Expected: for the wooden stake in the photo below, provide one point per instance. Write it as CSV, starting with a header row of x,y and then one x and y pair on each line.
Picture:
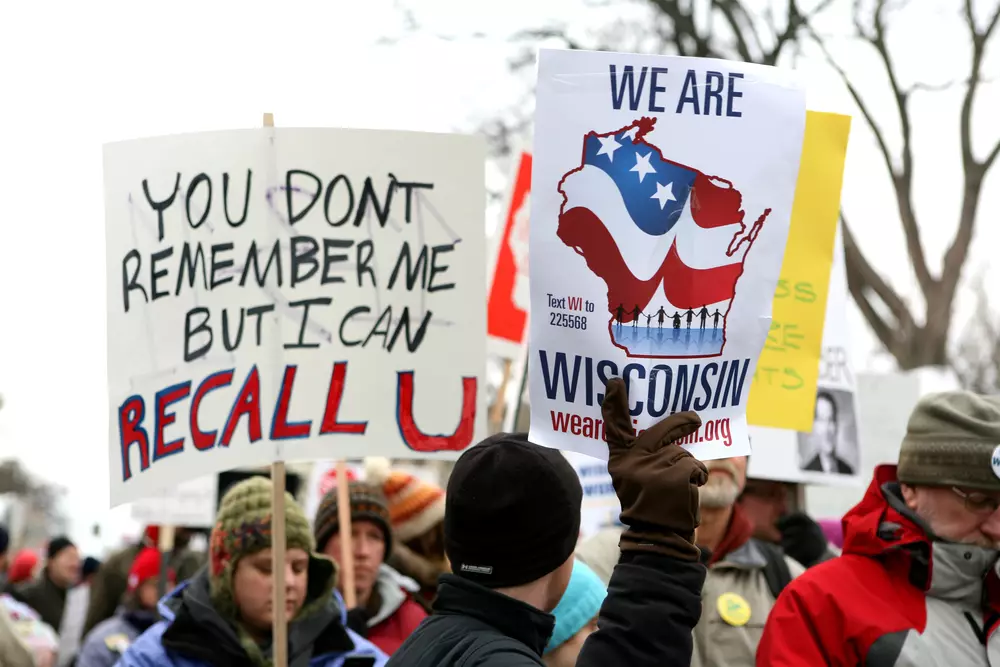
x,y
166,546
346,541
500,403
279,545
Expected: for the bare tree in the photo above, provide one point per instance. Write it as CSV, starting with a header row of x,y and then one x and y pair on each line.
x,y
976,360
40,497
916,339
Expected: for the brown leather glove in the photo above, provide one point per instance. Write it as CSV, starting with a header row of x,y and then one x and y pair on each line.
x,y
656,481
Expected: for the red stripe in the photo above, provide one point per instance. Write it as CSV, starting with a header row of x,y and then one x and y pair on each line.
x,y
714,205
686,287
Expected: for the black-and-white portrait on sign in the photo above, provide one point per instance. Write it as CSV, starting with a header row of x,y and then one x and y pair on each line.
x,y
832,446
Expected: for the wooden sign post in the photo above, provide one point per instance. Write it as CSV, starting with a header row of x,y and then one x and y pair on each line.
x,y
279,620
346,541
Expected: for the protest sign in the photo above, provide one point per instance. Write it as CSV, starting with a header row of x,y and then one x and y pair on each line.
x,y
190,503
659,214
829,452
784,386
600,507
509,299
283,294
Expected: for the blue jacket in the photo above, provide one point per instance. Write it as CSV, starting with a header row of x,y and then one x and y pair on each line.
x,y
192,634
110,638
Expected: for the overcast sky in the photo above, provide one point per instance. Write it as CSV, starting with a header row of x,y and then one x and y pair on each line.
x,y
77,75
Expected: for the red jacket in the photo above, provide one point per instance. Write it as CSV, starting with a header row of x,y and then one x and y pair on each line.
x,y
390,633
882,604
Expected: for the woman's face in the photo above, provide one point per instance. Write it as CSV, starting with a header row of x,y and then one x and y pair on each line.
x,y
252,587
567,653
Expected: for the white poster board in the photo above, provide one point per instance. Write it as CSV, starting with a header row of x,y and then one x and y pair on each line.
x,y
600,507
661,196
831,453
190,504
290,294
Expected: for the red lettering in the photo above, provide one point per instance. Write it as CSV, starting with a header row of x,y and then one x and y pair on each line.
x,y
131,432
419,441
281,428
204,440
333,396
247,403
164,399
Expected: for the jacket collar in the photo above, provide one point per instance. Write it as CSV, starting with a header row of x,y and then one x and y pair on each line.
x,y
881,526
512,618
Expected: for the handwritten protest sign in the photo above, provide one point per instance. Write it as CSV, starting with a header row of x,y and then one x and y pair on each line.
x,y
784,386
191,503
661,194
291,294
829,452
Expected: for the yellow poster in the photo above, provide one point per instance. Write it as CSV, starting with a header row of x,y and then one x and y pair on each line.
x,y
783,393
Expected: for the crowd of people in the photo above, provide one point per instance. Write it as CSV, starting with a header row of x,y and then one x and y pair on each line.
x,y
706,567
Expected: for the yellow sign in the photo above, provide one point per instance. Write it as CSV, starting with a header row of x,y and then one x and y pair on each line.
x,y
733,609
783,393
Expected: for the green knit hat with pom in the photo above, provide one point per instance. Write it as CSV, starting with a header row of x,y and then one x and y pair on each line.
x,y
243,527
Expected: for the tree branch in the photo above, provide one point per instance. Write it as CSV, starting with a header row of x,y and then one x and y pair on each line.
x,y
903,178
861,277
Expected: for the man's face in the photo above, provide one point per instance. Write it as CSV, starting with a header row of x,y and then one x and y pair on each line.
x,y
970,520
64,569
765,502
825,426
726,479
368,545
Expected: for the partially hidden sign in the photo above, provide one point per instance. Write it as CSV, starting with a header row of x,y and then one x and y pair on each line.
x,y
509,298
283,294
783,392
661,194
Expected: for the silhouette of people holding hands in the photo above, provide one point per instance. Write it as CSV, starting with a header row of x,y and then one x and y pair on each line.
x,y
715,318
635,316
703,314
660,315
689,315
677,320
619,314
648,319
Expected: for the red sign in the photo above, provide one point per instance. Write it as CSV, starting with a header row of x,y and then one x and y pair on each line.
x,y
507,309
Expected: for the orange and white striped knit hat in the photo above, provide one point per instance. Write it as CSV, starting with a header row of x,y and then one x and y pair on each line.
x,y
415,506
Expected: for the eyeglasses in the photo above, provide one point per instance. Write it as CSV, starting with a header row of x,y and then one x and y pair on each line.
x,y
980,503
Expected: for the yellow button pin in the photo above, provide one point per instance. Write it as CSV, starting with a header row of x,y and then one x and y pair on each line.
x,y
733,609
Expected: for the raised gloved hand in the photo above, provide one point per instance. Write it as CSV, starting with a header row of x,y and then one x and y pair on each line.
x,y
802,538
656,481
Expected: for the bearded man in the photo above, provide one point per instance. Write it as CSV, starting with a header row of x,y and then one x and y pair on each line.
x,y
745,575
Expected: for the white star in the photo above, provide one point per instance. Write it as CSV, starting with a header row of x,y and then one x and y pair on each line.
x,y
631,132
664,193
642,166
608,147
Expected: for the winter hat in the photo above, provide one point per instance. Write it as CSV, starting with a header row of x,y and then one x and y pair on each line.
x,y
242,528
367,504
953,439
579,604
90,566
146,566
57,544
151,536
22,567
415,506
513,511
4,540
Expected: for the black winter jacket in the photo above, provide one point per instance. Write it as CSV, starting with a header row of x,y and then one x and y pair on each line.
x,y
653,604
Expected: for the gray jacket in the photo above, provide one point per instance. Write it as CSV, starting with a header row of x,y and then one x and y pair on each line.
x,y
108,640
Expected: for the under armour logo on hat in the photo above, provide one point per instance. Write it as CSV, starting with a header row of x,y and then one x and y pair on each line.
x,y
477,569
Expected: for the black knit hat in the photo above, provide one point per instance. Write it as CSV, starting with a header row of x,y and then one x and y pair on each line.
x,y
368,503
512,512
57,544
